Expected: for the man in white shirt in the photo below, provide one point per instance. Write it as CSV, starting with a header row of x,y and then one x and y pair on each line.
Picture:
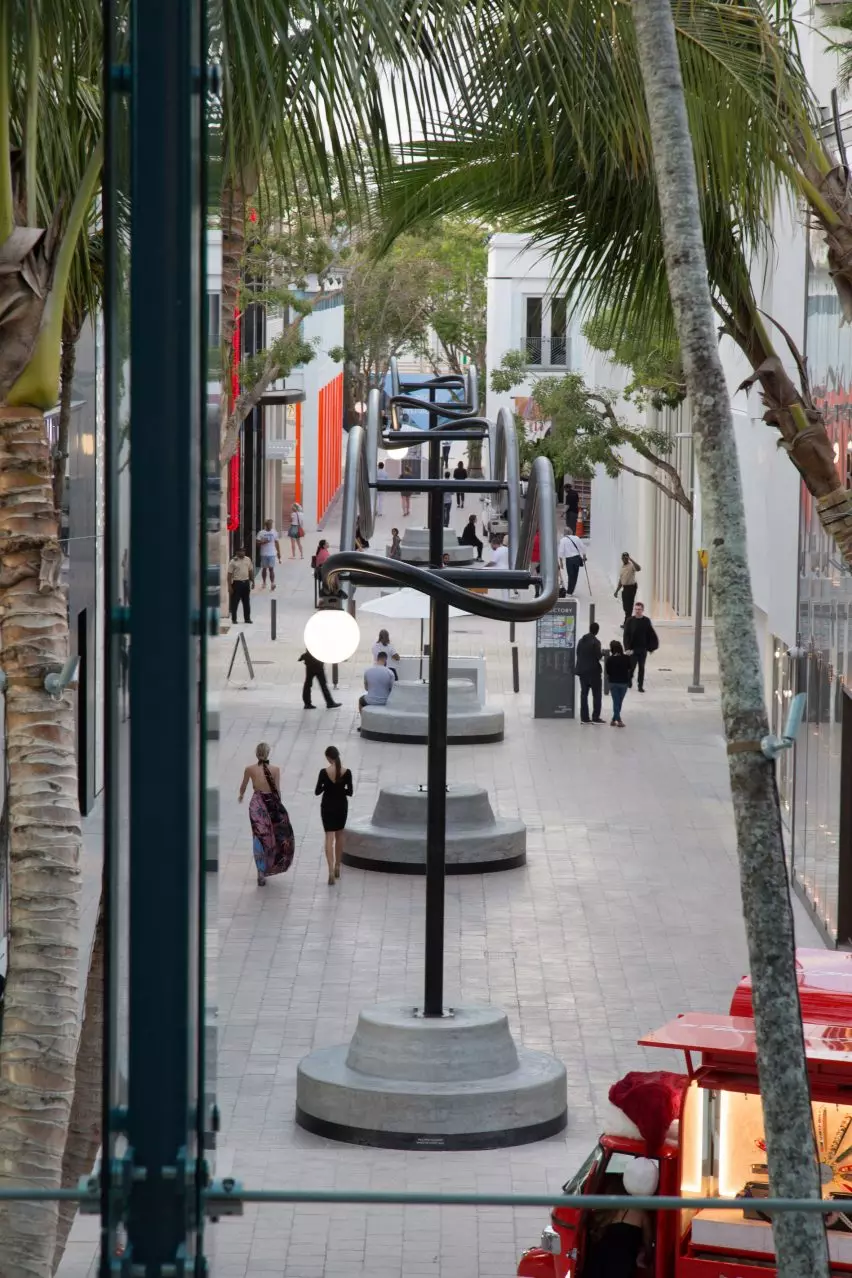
x,y
378,683
570,551
499,559
267,539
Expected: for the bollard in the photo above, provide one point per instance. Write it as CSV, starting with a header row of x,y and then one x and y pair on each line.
x,y
511,632
273,618
334,675
696,685
516,678
591,614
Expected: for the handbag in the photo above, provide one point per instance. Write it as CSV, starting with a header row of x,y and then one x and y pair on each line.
x,y
653,641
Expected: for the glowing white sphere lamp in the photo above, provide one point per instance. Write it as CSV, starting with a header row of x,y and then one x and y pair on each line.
x,y
332,635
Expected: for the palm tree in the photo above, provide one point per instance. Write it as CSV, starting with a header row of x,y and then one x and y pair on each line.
x,y
784,1086
550,133
49,134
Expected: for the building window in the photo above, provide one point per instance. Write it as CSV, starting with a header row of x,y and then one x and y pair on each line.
x,y
545,340
558,331
534,317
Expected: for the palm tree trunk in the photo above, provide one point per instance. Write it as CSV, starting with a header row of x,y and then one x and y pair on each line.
x,y
799,1236
39,1044
67,364
233,250
84,1128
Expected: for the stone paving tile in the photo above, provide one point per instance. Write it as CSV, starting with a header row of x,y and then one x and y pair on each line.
x,y
626,914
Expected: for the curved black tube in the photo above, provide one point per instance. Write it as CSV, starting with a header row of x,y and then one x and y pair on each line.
x,y
541,500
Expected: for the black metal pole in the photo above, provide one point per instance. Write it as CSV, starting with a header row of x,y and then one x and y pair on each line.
x,y
436,769
696,685
273,619
436,807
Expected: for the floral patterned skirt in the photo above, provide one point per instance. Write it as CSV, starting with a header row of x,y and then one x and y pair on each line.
x,y
273,843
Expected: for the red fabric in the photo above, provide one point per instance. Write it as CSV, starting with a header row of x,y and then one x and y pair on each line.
x,y
652,1100
536,550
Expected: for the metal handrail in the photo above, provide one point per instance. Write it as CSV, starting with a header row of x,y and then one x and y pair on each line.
x,y
504,463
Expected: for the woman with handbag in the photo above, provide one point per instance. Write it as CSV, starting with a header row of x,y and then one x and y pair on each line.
x,y
296,531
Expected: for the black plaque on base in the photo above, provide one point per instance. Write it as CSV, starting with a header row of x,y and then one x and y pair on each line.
x,y
555,641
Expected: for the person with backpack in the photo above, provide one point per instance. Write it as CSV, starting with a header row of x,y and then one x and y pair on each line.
x,y
640,638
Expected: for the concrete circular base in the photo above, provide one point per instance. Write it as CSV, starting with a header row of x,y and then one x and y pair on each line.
x,y
405,717
414,547
454,1082
394,839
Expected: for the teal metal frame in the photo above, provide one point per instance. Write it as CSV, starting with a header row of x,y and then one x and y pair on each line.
x,y
150,1196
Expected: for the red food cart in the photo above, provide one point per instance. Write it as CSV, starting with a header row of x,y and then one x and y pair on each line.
x,y
715,1147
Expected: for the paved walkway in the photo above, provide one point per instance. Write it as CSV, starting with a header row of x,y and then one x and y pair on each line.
x,y
626,914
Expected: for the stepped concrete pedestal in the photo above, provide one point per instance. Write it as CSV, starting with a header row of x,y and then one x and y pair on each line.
x,y
414,547
451,1082
405,717
394,838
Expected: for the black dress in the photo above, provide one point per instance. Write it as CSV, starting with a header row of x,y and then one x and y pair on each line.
x,y
334,807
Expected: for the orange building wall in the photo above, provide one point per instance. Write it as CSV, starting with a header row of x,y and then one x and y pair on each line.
x,y
329,444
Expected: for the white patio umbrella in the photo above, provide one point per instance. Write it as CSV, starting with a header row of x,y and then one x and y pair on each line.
x,y
407,605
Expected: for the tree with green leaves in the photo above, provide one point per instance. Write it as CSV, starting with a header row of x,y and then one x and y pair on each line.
x,y
551,120
387,309
582,431
650,353
286,267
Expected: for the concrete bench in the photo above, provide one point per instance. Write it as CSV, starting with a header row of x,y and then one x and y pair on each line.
x,y
405,717
394,838
414,547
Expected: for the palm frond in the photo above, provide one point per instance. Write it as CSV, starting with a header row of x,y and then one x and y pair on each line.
x,y
547,132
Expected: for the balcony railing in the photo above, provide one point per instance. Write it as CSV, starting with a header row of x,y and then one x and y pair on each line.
x,y
546,352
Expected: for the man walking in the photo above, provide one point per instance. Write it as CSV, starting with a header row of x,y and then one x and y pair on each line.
x,y
267,539
448,503
572,508
240,583
570,551
588,671
640,638
627,584
460,473
445,453
315,669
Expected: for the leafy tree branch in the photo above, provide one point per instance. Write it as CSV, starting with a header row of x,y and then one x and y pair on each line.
x,y
581,430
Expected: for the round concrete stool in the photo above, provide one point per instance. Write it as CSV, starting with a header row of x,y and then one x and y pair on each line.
x,y
394,839
414,547
405,717
451,1082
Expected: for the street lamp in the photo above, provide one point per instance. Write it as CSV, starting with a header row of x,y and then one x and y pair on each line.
x,y
332,635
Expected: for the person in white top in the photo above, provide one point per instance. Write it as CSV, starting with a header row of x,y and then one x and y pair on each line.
x,y
296,531
267,539
499,558
383,644
570,551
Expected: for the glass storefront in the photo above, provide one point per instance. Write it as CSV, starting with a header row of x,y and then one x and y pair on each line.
x,y
824,620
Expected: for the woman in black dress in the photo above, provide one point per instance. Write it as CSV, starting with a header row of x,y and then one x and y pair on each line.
x,y
334,784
